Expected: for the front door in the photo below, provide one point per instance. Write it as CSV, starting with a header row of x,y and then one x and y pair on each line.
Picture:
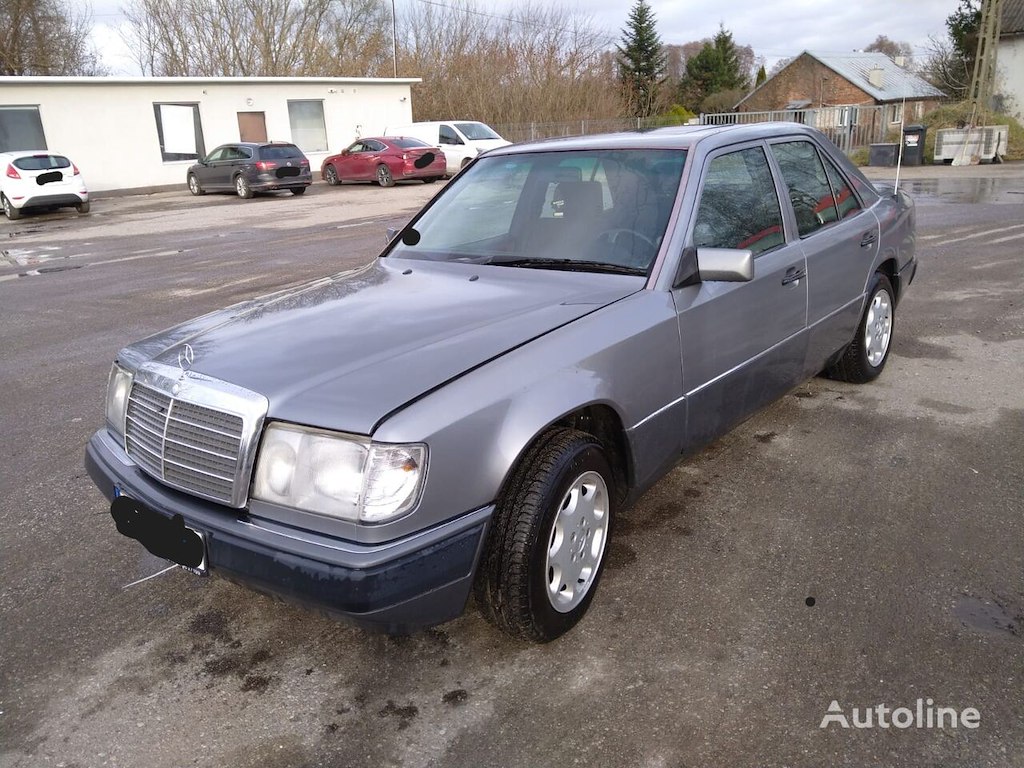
x,y
252,126
742,344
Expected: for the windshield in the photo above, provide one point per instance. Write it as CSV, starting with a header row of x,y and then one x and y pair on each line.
x,y
564,210
477,131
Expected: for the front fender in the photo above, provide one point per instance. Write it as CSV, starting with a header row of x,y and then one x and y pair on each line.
x,y
624,356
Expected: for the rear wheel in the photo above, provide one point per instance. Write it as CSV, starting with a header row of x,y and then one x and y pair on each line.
x,y
242,188
384,177
193,185
867,354
82,207
331,176
10,211
548,538
431,180
298,190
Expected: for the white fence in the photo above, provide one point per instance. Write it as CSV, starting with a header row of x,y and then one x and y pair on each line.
x,y
849,127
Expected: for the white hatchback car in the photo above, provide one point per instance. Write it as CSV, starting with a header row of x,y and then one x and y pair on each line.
x,y
40,179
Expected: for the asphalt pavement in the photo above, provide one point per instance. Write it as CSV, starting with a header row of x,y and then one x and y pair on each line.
x,y
849,548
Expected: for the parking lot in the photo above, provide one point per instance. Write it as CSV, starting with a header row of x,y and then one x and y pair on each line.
x,y
863,545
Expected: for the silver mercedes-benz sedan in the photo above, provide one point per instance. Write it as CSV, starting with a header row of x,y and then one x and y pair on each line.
x,y
471,411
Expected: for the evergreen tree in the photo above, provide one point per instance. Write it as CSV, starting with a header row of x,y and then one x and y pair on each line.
x,y
761,77
715,68
641,61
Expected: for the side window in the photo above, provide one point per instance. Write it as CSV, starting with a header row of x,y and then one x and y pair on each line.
x,y
739,207
448,136
217,154
809,190
846,201
375,146
244,153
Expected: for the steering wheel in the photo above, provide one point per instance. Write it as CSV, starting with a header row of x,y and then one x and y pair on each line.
x,y
640,257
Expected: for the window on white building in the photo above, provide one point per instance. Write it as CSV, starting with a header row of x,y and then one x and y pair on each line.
x,y
309,131
21,129
180,131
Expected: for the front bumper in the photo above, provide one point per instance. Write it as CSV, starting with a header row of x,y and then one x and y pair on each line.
x,y
397,587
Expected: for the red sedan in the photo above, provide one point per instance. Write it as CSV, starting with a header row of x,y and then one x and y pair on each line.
x,y
385,161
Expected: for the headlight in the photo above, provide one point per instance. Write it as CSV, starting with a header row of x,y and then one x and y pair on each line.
x,y
119,384
338,475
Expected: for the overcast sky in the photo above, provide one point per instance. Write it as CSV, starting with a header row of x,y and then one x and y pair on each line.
x,y
774,28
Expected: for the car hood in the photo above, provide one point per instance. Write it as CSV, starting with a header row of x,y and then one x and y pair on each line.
x,y
344,352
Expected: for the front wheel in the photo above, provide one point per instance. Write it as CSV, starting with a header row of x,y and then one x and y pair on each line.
x,y
867,354
10,211
384,177
298,190
331,176
242,188
194,186
546,547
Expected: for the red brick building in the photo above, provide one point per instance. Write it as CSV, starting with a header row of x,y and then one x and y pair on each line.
x,y
814,81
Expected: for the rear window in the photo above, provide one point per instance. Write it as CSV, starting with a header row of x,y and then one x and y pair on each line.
x,y
41,162
280,152
404,142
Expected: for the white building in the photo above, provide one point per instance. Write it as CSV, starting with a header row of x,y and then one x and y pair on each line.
x,y
1010,58
144,132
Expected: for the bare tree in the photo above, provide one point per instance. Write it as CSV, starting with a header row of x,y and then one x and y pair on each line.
x,y
892,48
259,37
537,63
945,68
46,37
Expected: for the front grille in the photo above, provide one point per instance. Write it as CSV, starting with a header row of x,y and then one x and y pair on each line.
x,y
186,445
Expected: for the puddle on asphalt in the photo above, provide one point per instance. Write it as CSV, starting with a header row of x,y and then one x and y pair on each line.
x,y
984,615
965,190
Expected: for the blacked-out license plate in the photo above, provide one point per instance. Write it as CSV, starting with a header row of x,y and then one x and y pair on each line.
x,y
166,537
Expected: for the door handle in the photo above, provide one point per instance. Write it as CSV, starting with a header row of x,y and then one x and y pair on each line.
x,y
868,239
794,275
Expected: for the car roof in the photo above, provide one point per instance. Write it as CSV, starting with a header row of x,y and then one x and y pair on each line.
x,y
673,137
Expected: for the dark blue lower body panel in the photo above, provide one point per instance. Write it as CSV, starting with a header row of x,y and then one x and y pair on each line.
x,y
396,587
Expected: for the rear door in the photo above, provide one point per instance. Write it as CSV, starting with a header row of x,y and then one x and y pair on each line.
x,y
46,174
839,239
742,344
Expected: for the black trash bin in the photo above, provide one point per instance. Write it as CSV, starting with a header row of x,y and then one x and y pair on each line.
x,y
883,155
913,144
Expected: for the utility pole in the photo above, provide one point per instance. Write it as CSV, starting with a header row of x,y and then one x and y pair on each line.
x,y
984,77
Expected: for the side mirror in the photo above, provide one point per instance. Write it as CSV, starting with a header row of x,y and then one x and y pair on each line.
x,y
728,265
701,265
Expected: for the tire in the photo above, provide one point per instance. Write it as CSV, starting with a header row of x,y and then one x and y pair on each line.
x,y
548,538
298,191
83,207
331,176
384,177
431,180
867,354
242,188
194,186
10,211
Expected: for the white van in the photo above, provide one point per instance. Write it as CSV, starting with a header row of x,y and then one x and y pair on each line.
x,y
460,140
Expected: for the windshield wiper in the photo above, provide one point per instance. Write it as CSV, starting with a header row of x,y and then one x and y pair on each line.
x,y
571,265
